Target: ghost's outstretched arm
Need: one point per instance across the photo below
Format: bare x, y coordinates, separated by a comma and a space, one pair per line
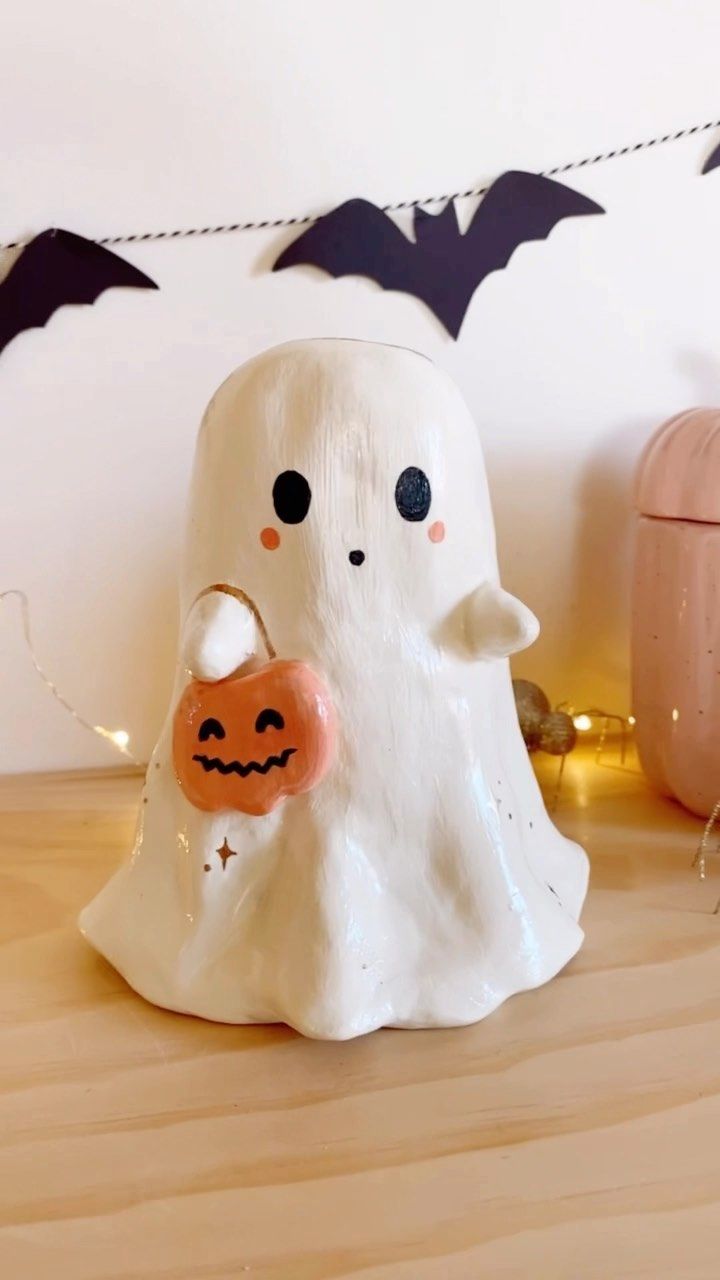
496, 624
220, 634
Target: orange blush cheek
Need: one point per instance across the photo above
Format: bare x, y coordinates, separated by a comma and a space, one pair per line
436, 532
270, 538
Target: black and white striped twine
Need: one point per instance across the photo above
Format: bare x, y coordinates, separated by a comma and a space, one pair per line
271, 224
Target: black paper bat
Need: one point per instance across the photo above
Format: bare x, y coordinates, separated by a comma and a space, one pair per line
58, 268
442, 267
712, 161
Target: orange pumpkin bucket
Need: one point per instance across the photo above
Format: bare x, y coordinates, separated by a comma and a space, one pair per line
248, 741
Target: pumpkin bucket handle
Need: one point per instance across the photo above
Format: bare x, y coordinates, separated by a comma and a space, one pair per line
251, 605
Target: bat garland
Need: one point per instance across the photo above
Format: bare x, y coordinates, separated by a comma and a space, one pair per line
442, 267
56, 269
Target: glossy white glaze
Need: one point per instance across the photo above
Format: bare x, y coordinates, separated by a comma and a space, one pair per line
422, 882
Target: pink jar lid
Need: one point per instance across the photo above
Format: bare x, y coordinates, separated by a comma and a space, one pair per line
679, 473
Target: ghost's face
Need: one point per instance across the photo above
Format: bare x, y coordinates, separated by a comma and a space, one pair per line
336, 480
292, 496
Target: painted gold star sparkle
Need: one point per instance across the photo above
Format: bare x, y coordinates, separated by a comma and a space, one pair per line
226, 852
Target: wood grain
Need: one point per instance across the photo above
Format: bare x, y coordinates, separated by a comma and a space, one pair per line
574, 1134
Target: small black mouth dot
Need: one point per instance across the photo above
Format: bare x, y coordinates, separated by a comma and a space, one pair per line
356, 557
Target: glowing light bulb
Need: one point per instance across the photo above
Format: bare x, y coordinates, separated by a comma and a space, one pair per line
583, 723
119, 737
675, 714
632, 720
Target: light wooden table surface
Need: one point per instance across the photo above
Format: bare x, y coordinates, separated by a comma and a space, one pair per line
574, 1134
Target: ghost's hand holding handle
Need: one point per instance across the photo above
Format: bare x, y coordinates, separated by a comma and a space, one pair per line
496, 624
220, 634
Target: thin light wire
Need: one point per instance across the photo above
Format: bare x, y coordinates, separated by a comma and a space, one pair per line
700, 859
271, 224
109, 735
597, 713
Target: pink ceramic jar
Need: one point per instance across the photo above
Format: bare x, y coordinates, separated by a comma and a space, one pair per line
676, 610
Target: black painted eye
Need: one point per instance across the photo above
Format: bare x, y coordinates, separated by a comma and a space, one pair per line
291, 497
269, 719
413, 494
210, 729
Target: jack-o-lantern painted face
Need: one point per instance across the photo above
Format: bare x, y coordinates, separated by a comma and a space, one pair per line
247, 742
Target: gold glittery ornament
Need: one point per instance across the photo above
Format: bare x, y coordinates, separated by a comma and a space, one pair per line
557, 734
532, 708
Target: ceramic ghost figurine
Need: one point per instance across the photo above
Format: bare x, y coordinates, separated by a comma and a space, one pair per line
341, 603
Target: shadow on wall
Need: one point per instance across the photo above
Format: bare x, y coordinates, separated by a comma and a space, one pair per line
565, 540
598, 630
609, 482
150, 654
144, 623
566, 544
703, 370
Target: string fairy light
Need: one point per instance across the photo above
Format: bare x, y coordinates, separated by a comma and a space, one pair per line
584, 721
118, 738
700, 859
554, 732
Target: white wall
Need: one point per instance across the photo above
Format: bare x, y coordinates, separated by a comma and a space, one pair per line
138, 114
